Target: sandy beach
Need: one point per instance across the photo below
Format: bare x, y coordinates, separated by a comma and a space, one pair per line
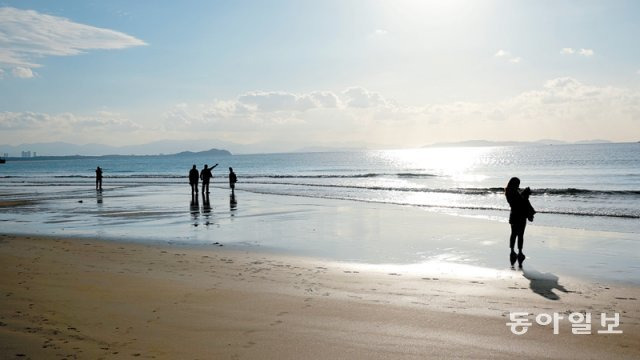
91, 299
139, 272
319, 180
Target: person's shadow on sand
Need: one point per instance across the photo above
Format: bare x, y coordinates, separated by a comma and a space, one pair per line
543, 284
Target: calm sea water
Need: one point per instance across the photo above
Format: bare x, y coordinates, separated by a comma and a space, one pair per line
593, 187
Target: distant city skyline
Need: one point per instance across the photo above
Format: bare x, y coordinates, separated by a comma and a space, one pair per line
394, 74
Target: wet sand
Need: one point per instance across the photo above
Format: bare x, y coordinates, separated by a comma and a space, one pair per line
72, 297
338, 230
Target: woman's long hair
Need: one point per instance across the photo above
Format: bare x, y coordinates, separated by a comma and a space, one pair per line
512, 185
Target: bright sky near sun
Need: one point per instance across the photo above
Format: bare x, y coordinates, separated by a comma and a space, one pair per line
326, 73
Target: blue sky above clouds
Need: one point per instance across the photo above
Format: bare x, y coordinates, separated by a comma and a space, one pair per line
378, 73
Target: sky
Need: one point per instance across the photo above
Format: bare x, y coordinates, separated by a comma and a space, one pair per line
335, 73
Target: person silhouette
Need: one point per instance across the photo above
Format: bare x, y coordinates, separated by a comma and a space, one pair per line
233, 179
521, 210
205, 176
98, 178
193, 180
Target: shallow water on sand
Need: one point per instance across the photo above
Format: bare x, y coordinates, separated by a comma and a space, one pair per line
341, 230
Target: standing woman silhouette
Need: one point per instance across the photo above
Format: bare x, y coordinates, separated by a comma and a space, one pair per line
521, 210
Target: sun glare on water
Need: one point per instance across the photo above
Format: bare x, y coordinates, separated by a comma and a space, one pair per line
455, 163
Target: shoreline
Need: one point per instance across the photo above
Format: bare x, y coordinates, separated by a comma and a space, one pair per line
336, 230
93, 298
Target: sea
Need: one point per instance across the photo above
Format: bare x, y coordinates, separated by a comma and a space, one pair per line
588, 186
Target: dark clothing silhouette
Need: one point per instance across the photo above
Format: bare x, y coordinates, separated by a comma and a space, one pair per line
193, 180
205, 176
521, 210
98, 178
233, 179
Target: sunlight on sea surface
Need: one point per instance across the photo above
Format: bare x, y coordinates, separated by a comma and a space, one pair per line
455, 163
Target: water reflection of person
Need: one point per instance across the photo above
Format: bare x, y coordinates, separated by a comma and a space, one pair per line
521, 210
98, 178
195, 209
206, 206
233, 203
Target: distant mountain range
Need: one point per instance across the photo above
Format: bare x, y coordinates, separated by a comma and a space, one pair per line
178, 147
480, 143
210, 152
167, 147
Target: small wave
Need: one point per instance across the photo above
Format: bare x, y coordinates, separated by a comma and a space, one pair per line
461, 191
256, 179
471, 191
458, 207
339, 176
578, 192
415, 175
126, 174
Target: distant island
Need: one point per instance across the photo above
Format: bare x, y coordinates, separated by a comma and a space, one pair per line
160, 147
210, 152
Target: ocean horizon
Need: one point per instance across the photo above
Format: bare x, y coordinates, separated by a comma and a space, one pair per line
586, 198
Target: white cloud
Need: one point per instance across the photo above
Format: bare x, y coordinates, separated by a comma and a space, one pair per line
362, 98
504, 54
562, 108
582, 52
380, 32
276, 101
27, 36
65, 122
325, 99
586, 52
22, 72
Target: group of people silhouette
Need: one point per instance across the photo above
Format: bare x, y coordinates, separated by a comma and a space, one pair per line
205, 175
194, 177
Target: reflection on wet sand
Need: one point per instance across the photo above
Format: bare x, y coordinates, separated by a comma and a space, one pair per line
233, 203
194, 209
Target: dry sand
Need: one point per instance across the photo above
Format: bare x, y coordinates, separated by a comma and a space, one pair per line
91, 299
